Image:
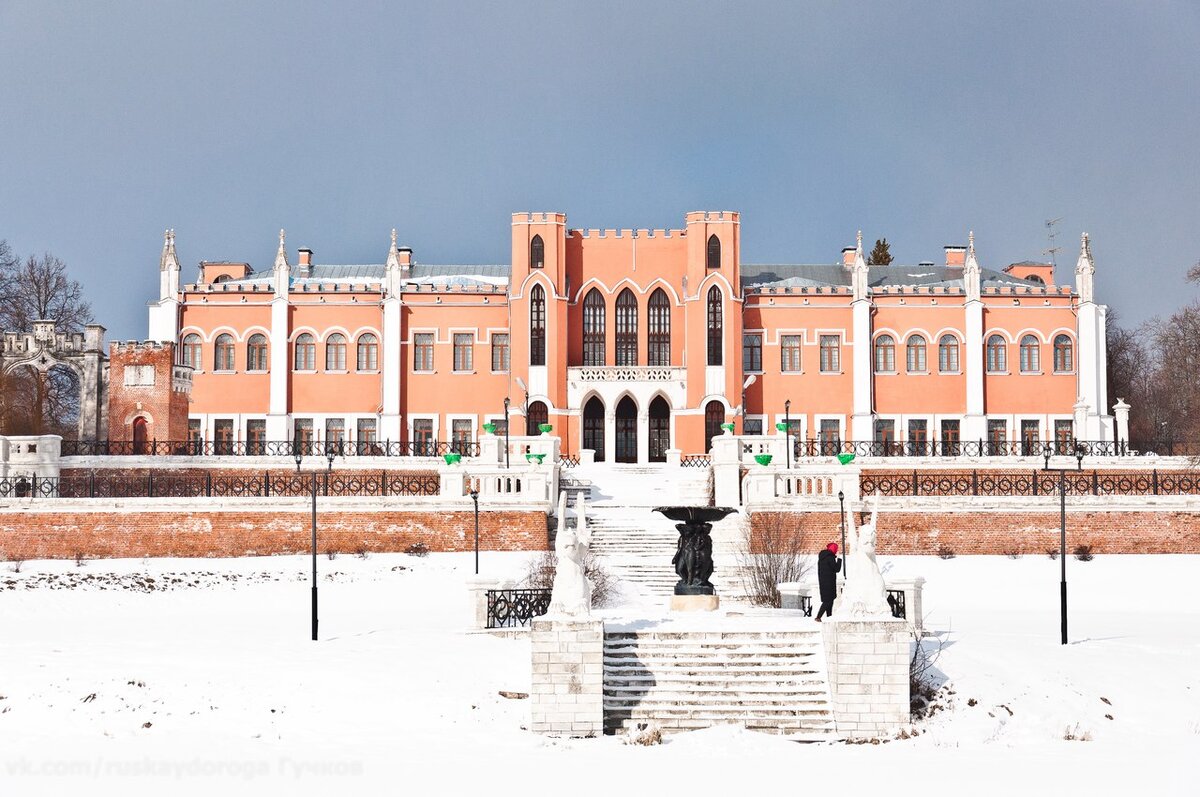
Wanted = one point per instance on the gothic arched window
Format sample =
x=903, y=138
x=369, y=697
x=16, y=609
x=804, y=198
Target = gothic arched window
x=335, y=352
x=305, y=353
x=948, y=354
x=714, y=252
x=1063, y=354
x=256, y=352
x=885, y=354
x=191, y=351
x=594, y=337
x=1030, y=354
x=537, y=253
x=537, y=326
x=368, y=352
x=915, y=359
x=659, y=329
x=997, y=360
x=627, y=328
x=714, y=326
x=223, y=353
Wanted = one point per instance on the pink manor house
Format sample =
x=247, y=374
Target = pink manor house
x=631, y=343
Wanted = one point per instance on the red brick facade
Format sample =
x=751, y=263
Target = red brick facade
x=997, y=532
x=66, y=534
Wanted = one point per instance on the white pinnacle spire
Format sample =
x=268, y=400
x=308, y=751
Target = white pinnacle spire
x=1085, y=270
x=168, y=259
x=971, y=277
x=282, y=275
x=858, y=271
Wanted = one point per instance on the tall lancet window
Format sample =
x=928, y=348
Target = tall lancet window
x=659, y=332
x=537, y=326
x=537, y=253
x=627, y=328
x=714, y=326
x=593, y=328
x=714, y=252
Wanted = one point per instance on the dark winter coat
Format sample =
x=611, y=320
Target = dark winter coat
x=828, y=566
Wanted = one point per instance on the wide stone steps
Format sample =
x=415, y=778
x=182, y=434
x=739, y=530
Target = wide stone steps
x=772, y=681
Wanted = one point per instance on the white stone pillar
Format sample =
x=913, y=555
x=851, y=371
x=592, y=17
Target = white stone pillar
x=643, y=437
x=861, y=423
x=392, y=368
x=868, y=676
x=567, y=681
x=610, y=437
x=1121, y=411
x=1081, y=418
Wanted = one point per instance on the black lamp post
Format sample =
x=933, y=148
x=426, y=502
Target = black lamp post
x=1062, y=538
x=314, y=555
x=842, y=504
x=474, y=493
x=787, y=431
x=297, y=453
x=506, y=431
x=330, y=453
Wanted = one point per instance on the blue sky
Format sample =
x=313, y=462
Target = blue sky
x=339, y=121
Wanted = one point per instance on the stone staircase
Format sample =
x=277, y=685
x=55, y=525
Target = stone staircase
x=635, y=543
x=767, y=679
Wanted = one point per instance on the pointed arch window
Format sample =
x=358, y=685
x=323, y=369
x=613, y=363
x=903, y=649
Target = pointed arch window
x=713, y=256
x=1030, y=354
x=223, y=353
x=948, y=354
x=627, y=328
x=658, y=312
x=714, y=326
x=594, y=334
x=997, y=358
x=1063, y=354
x=256, y=352
x=537, y=326
x=537, y=253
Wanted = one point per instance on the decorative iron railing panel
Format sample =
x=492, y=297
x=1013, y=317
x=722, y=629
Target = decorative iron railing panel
x=267, y=448
x=569, y=460
x=895, y=599
x=515, y=608
x=695, y=460
x=164, y=484
x=1030, y=483
x=989, y=448
x=628, y=373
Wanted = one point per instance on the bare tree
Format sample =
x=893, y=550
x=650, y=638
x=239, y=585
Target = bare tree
x=33, y=289
x=771, y=553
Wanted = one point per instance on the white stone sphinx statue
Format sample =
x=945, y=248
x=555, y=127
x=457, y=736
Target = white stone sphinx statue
x=864, y=596
x=571, y=594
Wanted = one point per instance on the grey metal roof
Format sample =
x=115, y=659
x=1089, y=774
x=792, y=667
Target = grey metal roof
x=814, y=275
x=374, y=272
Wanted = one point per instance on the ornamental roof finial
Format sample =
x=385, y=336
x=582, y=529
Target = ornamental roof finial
x=393, y=237
x=858, y=247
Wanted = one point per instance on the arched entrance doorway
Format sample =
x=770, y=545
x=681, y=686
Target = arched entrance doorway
x=593, y=426
x=139, y=435
x=660, y=429
x=537, y=415
x=626, y=443
x=714, y=416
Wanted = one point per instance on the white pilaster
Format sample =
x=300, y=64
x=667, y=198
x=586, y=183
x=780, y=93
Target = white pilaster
x=164, y=314
x=277, y=413
x=861, y=426
x=643, y=437
x=392, y=368
x=610, y=436
x=1092, y=350
x=974, y=420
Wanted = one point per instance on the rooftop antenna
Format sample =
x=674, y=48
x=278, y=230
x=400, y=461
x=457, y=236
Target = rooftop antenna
x=1051, y=234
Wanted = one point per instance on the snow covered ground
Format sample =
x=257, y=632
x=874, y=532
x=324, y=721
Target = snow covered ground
x=204, y=678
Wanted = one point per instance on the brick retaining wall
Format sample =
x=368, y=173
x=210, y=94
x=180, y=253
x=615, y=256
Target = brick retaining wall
x=65, y=534
x=997, y=531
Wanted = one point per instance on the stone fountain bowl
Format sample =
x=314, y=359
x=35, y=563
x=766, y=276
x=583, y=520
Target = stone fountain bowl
x=695, y=515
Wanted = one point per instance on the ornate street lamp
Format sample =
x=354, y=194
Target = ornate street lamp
x=297, y=453
x=474, y=493
x=842, y=504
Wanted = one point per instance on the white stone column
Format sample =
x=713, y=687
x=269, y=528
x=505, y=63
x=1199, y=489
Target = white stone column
x=1081, y=417
x=392, y=367
x=1121, y=411
x=643, y=437
x=975, y=421
x=868, y=676
x=861, y=423
x=277, y=412
x=567, y=681
x=610, y=436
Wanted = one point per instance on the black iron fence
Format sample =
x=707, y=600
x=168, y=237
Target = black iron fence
x=267, y=448
x=163, y=484
x=516, y=608
x=993, y=448
x=895, y=599
x=1030, y=483
x=695, y=460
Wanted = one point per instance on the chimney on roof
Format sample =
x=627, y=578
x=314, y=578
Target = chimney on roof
x=848, y=256
x=404, y=254
x=956, y=255
x=305, y=262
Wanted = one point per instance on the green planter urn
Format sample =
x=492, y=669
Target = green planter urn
x=489, y=427
x=781, y=426
x=763, y=459
x=727, y=427
x=535, y=458
x=545, y=428
x=452, y=459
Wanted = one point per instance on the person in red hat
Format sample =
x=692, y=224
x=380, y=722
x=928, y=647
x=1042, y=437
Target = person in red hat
x=828, y=566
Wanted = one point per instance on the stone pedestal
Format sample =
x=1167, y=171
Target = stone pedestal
x=695, y=603
x=567, y=687
x=868, y=664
